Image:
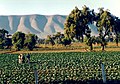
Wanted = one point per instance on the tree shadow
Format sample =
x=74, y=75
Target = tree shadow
x=9, y=52
x=83, y=82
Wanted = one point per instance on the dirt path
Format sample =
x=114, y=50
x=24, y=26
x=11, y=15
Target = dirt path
x=51, y=51
x=40, y=51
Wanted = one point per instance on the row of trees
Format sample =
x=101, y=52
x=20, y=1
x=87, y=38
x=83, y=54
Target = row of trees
x=78, y=21
x=21, y=40
x=57, y=39
x=18, y=41
x=76, y=27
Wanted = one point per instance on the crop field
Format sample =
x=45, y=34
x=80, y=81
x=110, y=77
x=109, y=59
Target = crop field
x=62, y=67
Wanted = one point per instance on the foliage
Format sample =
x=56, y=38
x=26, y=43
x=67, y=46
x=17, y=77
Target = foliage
x=100, y=40
x=117, y=29
x=105, y=24
x=90, y=40
x=66, y=41
x=77, y=23
x=18, y=40
x=1, y=43
x=50, y=40
x=40, y=41
x=3, y=33
x=30, y=41
x=72, y=22
x=8, y=43
x=4, y=40
x=60, y=67
x=58, y=38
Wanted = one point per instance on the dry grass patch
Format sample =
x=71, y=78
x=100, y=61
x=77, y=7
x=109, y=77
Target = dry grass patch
x=74, y=47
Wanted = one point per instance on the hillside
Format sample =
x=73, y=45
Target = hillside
x=41, y=25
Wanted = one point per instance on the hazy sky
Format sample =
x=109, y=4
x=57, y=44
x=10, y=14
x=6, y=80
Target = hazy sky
x=51, y=7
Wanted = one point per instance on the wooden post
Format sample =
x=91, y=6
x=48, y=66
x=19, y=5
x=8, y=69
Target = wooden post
x=103, y=73
x=0, y=71
x=36, y=76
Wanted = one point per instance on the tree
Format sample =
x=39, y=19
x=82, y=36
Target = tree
x=1, y=43
x=72, y=24
x=105, y=23
x=30, y=41
x=3, y=33
x=77, y=23
x=8, y=43
x=3, y=38
x=58, y=38
x=50, y=40
x=116, y=29
x=90, y=40
x=66, y=41
x=18, y=40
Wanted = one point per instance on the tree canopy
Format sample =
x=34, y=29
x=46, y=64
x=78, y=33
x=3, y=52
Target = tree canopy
x=30, y=41
x=21, y=40
x=5, y=42
x=77, y=25
x=18, y=40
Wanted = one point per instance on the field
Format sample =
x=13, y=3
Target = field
x=62, y=67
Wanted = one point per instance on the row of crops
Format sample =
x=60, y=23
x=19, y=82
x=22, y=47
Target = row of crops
x=60, y=67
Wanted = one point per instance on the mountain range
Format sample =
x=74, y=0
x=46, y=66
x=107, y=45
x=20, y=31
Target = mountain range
x=41, y=25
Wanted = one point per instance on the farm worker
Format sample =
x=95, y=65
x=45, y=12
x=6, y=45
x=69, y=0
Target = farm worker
x=28, y=58
x=23, y=59
x=20, y=58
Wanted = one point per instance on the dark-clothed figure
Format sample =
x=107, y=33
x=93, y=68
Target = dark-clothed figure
x=28, y=58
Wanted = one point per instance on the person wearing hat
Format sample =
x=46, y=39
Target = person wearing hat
x=20, y=58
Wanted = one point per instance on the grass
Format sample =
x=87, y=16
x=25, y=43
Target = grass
x=74, y=47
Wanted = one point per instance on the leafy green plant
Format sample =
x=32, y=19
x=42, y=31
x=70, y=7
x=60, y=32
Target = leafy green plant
x=60, y=67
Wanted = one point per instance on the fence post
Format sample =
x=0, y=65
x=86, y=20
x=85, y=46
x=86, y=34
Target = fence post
x=36, y=76
x=103, y=73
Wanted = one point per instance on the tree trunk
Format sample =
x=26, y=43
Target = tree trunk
x=117, y=44
x=91, y=47
x=116, y=41
x=103, y=47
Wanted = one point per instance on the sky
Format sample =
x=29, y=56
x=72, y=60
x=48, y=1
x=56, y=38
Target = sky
x=52, y=7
